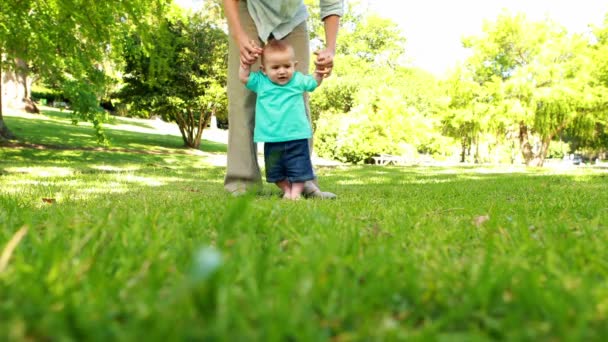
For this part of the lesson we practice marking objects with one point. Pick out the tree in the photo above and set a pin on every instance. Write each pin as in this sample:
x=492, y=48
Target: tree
x=373, y=103
x=189, y=92
x=365, y=43
x=461, y=121
x=594, y=132
x=67, y=42
x=544, y=75
x=375, y=40
x=392, y=111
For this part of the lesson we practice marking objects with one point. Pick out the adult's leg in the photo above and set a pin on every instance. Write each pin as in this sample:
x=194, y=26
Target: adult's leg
x=242, y=170
x=299, y=38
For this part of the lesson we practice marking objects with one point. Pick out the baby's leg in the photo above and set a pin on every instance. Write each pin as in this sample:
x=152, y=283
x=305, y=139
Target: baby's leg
x=296, y=189
x=286, y=187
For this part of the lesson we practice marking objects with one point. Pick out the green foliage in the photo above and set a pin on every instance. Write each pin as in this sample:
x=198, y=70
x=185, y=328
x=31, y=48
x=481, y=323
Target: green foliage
x=373, y=39
x=336, y=95
x=558, y=150
x=84, y=103
x=192, y=89
x=600, y=53
x=373, y=105
x=355, y=141
x=68, y=43
x=462, y=117
x=526, y=83
x=509, y=42
x=393, y=112
x=532, y=81
x=50, y=95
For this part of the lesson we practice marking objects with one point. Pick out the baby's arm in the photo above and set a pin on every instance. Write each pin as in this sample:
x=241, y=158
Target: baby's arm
x=245, y=66
x=244, y=72
x=318, y=75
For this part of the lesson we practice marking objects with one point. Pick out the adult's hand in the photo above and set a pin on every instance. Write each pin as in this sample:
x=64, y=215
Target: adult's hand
x=250, y=51
x=324, y=62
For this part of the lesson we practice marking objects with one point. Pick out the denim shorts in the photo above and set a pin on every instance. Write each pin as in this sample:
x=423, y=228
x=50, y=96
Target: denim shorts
x=288, y=160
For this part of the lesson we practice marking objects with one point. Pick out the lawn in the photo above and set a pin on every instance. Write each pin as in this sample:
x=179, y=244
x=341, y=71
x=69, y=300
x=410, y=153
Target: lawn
x=139, y=241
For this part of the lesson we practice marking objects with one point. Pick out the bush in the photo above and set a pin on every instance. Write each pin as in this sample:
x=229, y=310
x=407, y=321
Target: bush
x=334, y=96
x=381, y=123
x=50, y=95
x=353, y=140
x=558, y=149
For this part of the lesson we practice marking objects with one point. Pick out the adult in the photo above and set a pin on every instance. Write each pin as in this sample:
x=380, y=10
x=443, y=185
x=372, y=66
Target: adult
x=251, y=24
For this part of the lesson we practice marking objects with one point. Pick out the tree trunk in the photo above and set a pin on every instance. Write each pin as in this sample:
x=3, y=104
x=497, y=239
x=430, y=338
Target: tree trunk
x=203, y=120
x=199, y=132
x=463, y=149
x=181, y=124
x=476, y=156
x=17, y=87
x=22, y=72
x=5, y=133
x=469, y=146
x=524, y=143
x=192, y=128
x=530, y=157
x=544, y=149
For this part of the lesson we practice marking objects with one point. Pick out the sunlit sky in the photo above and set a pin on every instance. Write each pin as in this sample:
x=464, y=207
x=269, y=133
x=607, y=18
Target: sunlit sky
x=433, y=28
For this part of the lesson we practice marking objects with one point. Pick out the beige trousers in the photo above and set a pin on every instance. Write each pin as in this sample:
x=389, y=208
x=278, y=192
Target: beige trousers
x=243, y=170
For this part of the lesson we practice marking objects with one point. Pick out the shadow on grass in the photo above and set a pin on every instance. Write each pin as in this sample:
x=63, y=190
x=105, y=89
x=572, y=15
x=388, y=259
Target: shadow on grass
x=401, y=175
x=60, y=115
x=438, y=188
x=80, y=159
x=63, y=154
x=117, y=120
x=370, y=174
x=85, y=176
x=55, y=130
x=453, y=199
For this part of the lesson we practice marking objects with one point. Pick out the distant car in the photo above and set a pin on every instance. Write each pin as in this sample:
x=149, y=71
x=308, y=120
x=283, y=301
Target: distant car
x=577, y=159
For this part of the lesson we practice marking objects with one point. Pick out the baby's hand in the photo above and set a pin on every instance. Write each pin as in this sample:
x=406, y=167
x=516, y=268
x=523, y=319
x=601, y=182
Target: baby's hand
x=324, y=72
x=257, y=51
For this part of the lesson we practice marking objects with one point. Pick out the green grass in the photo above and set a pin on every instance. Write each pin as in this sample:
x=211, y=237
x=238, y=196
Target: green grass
x=54, y=128
x=422, y=253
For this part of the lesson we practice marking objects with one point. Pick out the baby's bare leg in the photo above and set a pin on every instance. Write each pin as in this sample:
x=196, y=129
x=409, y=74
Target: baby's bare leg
x=296, y=190
x=286, y=187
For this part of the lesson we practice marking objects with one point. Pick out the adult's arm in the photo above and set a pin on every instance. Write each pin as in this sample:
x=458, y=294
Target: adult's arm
x=331, y=11
x=248, y=48
x=331, y=24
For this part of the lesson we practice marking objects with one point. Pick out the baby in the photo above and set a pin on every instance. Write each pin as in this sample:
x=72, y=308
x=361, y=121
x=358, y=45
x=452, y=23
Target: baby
x=281, y=121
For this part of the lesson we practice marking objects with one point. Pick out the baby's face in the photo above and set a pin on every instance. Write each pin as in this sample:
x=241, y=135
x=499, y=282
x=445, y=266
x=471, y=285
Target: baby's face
x=279, y=66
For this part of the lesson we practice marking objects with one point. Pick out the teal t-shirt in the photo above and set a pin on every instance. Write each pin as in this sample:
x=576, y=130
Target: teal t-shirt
x=280, y=114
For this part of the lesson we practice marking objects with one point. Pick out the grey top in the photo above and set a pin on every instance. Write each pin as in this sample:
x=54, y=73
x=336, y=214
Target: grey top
x=280, y=17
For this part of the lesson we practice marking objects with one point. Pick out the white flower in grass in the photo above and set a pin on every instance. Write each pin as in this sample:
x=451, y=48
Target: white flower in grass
x=207, y=261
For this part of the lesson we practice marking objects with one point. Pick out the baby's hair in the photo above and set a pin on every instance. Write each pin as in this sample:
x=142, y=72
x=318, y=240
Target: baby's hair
x=275, y=45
